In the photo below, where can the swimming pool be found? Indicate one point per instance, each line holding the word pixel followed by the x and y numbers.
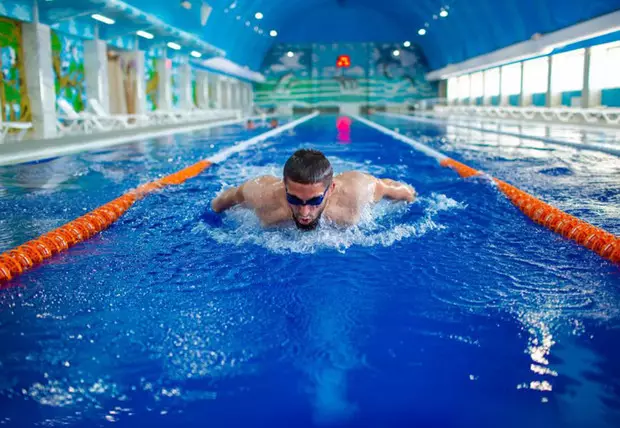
pixel 454 311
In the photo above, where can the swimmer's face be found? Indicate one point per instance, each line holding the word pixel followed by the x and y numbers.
pixel 307 216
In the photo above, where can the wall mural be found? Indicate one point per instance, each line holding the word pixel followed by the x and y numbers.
pixel 68 65
pixel 331 74
pixel 176 87
pixel 152 80
pixel 13 92
pixel 194 87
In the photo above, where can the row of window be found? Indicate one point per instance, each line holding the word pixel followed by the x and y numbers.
pixel 566 74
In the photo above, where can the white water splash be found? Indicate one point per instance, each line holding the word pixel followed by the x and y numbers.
pixel 380 226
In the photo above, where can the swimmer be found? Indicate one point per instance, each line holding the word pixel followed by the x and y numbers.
pixel 274 123
pixel 308 190
pixel 250 124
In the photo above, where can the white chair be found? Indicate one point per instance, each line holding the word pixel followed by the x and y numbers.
pixel 7 127
pixel 71 121
pixel 117 120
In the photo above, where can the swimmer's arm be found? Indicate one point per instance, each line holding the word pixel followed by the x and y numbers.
pixel 228 199
pixel 391 189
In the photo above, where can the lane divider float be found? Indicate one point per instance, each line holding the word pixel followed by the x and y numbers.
pixel 604 243
pixel 18 260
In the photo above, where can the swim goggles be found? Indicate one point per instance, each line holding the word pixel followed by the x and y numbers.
pixel 316 201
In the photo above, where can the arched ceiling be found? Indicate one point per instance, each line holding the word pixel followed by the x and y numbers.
pixel 471 28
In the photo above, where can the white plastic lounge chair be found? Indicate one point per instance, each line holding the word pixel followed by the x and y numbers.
pixel 71 121
pixel 7 127
pixel 117 120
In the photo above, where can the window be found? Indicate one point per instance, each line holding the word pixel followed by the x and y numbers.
pixel 477 85
pixel 464 86
pixel 453 88
pixel 491 82
pixel 536 75
pixel 567 71
pixel 511 79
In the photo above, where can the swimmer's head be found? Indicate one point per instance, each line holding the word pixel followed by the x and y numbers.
pixel 308 179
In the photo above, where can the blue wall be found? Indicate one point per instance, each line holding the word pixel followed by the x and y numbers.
pixel 513 100
pixel 611 97
pixel 566 97
pixel 539 100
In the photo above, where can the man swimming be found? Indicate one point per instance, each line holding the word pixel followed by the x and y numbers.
pixel 309 190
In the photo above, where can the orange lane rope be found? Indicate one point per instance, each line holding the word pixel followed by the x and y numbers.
pixel 18 260
pixel 603 243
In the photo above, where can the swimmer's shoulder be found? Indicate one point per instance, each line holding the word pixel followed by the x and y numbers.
pixel 262 190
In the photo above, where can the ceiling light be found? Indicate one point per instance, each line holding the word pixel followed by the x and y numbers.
pixel 102 18
pixel 195 54
pixel 422 31
pixel 186 5
pixel 407 44
pixel 144 34
pixel 396 52
pixel 247 23
pixel 174 46
pixel 273 33
pixel 443 13
pixel 290 54
pixel 258 15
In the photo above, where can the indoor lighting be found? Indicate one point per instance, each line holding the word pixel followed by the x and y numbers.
pixel 422 31
pixel 186 5
pixel 258 15
pixel 443 13
pixel 396 52
pixel 102 18
pixel 290 54
pixel 273 33
pixel 195 54
pixel 174 46
pixel 144 34
pixel 407 44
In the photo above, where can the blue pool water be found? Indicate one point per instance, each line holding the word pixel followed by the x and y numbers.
pixel 455 311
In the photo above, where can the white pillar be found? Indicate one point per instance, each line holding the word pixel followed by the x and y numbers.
pixel 524 99
pixel 164 84
pixel 201 81
pixel 472 101
pixel 590 97
pixel 217 92
pixel 185 87
pixel 222 99
pixel 503 100
pixel 554 98
pixel 141 104
pixel 96 72
pixel 231 95
pixel 37 45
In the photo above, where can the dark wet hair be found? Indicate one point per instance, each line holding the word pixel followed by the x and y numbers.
pixel 308 167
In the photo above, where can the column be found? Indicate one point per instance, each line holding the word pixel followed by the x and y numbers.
pixel 229 95
pixel 201 81
pixel 590 96
pixel 250 98
pixel 239 95
pixel 218 96
pixel 138 58
pixel 503 100
pixel 37 45
pixel 553 98
pixel 96 72
pixel 525 100
pixel 186 101
pixel 164 84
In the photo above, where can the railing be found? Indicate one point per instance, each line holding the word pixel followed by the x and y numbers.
pixel 599 115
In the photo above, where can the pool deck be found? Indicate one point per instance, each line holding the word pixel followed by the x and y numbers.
pixel 14 152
